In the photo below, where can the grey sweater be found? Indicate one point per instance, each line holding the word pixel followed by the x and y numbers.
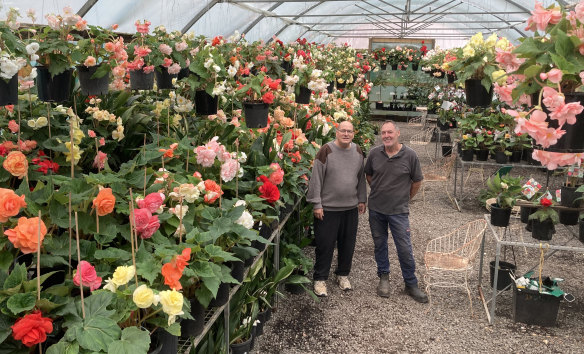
pixel 338 181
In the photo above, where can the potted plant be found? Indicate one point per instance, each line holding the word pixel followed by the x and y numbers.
pixel 506 190
pixel 169 55
pixel 13 57
pixel 257 94
pixel 543 220
pixel 381 57
pixel 570 197
pixel 468 146
pixel 95 57
pixel 209 81
pixel 474 66
pixel 54 54
pixel 138 63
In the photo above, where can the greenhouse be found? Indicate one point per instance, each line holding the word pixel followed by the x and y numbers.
pixel 336 176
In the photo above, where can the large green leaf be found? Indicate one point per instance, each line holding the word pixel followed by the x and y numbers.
pixel 96 333
pixel 96 304
pixel 112 254
pixel 6 259
pixel 63 348
pixel 16 277
pixel 21 302
pixel 133 341
pixel 5 329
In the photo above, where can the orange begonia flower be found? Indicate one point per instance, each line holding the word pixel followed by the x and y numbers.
pixel 25 235
pixel 16 163
pixel 105 202
pixel 172 271
pixel 10 204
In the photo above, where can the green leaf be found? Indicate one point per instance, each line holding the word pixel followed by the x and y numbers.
pixel 6 259
pixel 16 277
pixel 21 302
pixel 96 333
pixel 96 304
pixel 133 341
pixel 217 253
pixel 112 254
pixel 202 269
pixel 47 306
pixel 103 178
pixel 149 270
pixel 63 348
pixel 5 329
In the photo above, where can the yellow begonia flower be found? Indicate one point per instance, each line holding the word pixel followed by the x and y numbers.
pixel 468 51
pixel 502 43
pixel 491 41
pixel 76 152
pixel 499 76
pixel 118 134
pixel 144 297
pixel 464 137
pixel 477 40
pixel 77 135
pixel 172 304
pixel 123 274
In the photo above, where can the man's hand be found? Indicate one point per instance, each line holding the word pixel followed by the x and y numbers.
pixel 318 213
pixel 362 207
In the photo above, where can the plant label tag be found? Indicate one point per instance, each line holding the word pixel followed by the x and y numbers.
pixel 530 188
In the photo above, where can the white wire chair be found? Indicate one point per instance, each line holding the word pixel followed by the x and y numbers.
pixel 438 172
pixel 449 260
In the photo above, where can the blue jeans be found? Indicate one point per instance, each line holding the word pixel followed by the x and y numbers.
pixel 399 225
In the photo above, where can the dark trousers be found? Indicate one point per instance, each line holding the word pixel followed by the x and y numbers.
pixel 338 227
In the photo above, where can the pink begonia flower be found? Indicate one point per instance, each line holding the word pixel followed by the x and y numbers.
pixel 118 85
pixel 229 170
pixel 148 69
pixel 197 174
pixel 567 113
pixel 88 276
pixel 553 160
pixel 541 17
pixel 180 46
pixel 552 99
pixel 100 160
pixel 13 126
pixel 102 141
pixel 91 133
pixel 153 202
pixel 224 156
pixel 543 76
pixel 547 137
pixel 555 76
pixel 235 121
pixel 146 224
pixel 277 176
pixel 119 71
pixel 508 60
pixel 25 85
pixel 142 28
pixel 165 49
pixel 167 62
pixel 174 69
pixel 579 12
pixel 504 93
pixel 205 156
pixel 581 77
pixel 90 61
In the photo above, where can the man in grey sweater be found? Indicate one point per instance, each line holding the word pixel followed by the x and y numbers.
pixel 338 192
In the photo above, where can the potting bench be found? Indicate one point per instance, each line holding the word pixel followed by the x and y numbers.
pixel 565 239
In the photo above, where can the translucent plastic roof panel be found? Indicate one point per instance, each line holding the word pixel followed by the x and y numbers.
pixel 450 22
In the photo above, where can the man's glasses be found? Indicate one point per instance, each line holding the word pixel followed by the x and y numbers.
pixel 345 131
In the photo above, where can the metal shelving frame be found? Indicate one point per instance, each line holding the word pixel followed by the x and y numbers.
pixel 504 237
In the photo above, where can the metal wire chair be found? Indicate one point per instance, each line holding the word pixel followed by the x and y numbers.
pixel 449 260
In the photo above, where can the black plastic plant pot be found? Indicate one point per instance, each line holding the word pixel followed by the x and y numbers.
pixel 500 216
pixel 571 141
pixel 515 156
pixel 241 348
pixel 524 213
pixel 570 196
pixel 504 274
pixel 303 96
pixel 568 217
pixel 9 91
pixel 89 86
pixel 331 87
pixel 467 155
pixel 163 78
pixel 482 155
pixel 192 328
pixel 222 296
pixel 205 104
pixel 237 270
pixel 256 114
pixel 140 80
pixel 163 342
pixel 476 94
pixel 535 308
pixel 542 230
pixel 581 233
pixel 53 88
pixel 341 86
pixel 501 157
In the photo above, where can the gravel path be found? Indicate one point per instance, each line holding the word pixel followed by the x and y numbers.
pixel 359 321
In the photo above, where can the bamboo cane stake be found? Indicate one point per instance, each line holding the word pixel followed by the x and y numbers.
pixel 180 221
pixel 39 258
pixel 71 193
pixel 188 156
pixel 79 265
pixel 133 236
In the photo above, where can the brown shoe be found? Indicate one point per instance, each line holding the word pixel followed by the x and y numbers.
pixel 383 287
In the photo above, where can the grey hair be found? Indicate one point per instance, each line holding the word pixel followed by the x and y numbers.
pixel 392 122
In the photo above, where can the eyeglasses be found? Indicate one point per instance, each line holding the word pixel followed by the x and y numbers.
pixel 345 131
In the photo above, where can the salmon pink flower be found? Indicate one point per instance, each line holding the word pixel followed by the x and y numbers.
pixel 88 276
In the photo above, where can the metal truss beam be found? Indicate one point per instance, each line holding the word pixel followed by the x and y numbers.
pixel 86 7
pixel 260 17
pixel 402 13
pixel 199 15
pixel 295 18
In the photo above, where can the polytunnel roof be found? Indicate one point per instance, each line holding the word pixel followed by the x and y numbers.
pixel 449 22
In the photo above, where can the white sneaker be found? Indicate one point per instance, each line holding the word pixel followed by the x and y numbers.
pixel 343 282
pixel 320 288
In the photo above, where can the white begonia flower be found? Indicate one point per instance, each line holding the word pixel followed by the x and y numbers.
pixel 216 68
pixel 242 158
pixel 246 220
pixel 240 203
pixel 208 63
pixel 32 48
pixel 231 71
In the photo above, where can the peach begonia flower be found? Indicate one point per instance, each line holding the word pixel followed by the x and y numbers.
pixel 100 160
pixel 553 160
pixel 10 204
pixel 90 61
pixel 13 126
pixel 24 235
pixel 105 202
pixel 212 191
pixel 229 169
pixel 555 76
pixel 16 164
pixel 172 271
